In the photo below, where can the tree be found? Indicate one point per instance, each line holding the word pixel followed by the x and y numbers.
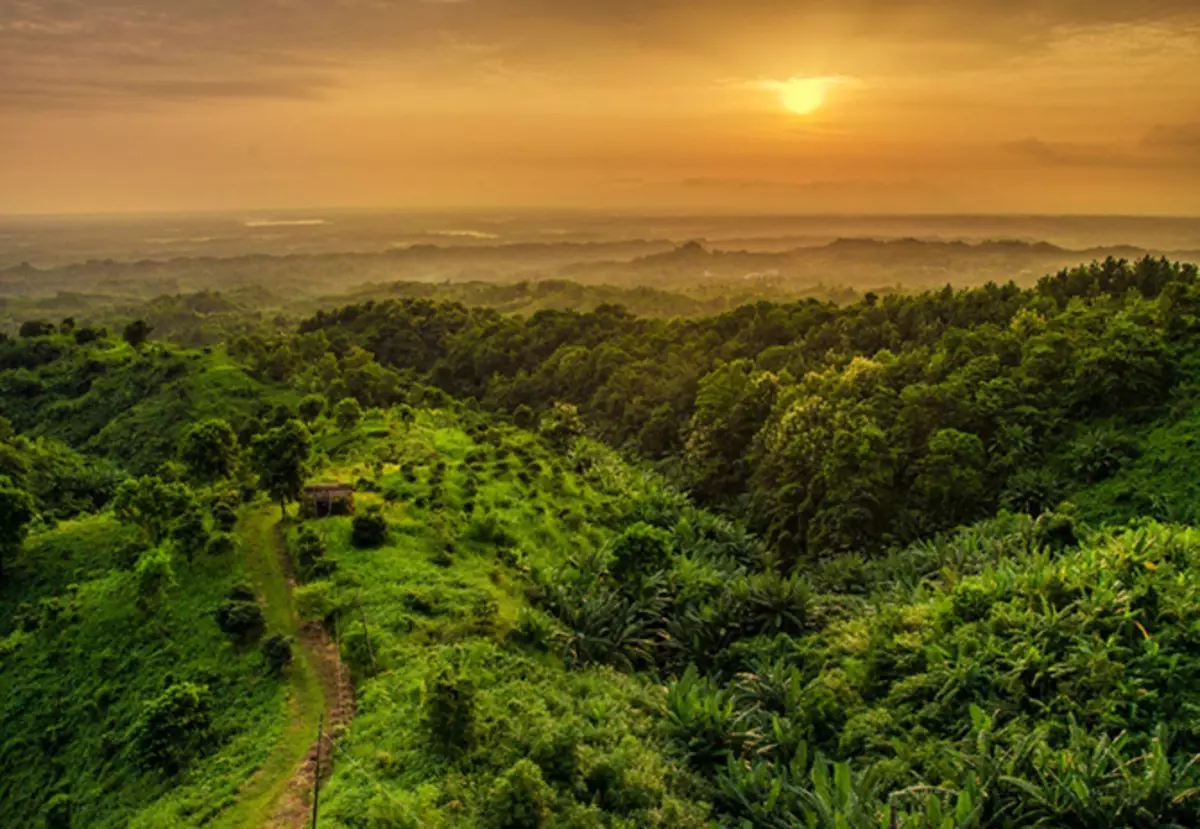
pixel 137 332
pixel 154 576
pixel 67 326
pixel 561 424
pixel 281 460
pixel 173 727
pixel 347 413
pixel 210 449
pixel 311 407
pixel 36 328
pixel 83 336
pixel 16 511
pixel 151 504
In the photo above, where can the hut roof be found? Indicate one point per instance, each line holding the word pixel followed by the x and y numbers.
pixel 334 489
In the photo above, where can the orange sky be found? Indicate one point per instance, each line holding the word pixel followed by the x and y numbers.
pixel 1045 106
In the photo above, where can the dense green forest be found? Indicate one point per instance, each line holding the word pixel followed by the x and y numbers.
pixel 919 560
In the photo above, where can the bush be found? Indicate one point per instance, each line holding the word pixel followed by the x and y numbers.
pixel 277 651
pixel 310 407
pixel 239 618
pixel 639 551
pixel 36 328
pixel 219 544
pixel 520 799
pixel 154 576
pixel 370 529
pixel 489 528
pixel 450 711
pixel 534 628
pixel 224 516
pixel 174 727
pixel 1101 453
pixel 315 602
pixel 310 554
pixel 347 413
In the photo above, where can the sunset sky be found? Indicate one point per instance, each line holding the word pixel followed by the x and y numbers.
pixel 881 106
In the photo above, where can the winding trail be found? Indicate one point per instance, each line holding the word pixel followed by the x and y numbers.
pixel 279 793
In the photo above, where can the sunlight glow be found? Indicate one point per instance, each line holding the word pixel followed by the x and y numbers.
pixel 804 96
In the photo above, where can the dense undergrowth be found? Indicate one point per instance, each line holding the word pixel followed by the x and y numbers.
pixel 975 602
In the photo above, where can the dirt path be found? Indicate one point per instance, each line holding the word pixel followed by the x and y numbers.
pixel 279 794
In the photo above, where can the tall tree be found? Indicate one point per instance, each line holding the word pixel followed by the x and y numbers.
pixel 210 449
pixel 281 460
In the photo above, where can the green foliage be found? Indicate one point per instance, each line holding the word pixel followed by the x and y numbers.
pixel 154 575
pixel 347 413
pixel 210 450
pixel 16 512
pixel 544 635
pixel 311 407
pixel 450 711
pixel 281 458
pixel 640 551
pixel 370 528
pixel 173 727
pixel 153 505
pixel 240 618
pixel 520 799
pixel 137 332
pixel 36 328
pixel 277 652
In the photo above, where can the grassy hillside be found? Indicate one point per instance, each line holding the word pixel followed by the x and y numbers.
pixel 462 679
pixel 543 635
pixel 81 656
pixel 127 405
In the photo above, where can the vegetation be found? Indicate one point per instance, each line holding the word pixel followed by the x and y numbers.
pixel 919 561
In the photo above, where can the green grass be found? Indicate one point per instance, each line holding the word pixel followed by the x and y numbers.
pixel 76 671
pixel 256 802
pixel 448 590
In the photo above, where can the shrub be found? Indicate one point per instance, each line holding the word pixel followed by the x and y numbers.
pixel 489 528
pixel 310 407
pixel 224 516
pixel 347 413
pixel 639 551
pixel 277 651
pixel 36 328
pixel 242 593
pixel 315 601
pixel 519 799
pixel 1101 453
pixel 310 554
pixel 174 727
pixel 190 531
pixel 239 618
pixel 450 711
pixel 534 628
pixel 219 544
pixel 370 528
pixel 154 576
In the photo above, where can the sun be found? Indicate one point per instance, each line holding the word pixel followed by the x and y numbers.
pixel 804 96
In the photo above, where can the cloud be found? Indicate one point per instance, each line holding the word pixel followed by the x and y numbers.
pixel 76 51
pixel 1174 137
pixel 1072 155
pixel 1161 147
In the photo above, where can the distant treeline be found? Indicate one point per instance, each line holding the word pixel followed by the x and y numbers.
pixel 832 428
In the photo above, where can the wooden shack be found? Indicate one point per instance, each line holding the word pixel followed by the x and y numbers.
pixel 324 500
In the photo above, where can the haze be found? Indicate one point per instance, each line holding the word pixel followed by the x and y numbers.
pixel 1029 106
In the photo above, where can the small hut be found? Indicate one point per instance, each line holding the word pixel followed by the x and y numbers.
pixel 324 500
